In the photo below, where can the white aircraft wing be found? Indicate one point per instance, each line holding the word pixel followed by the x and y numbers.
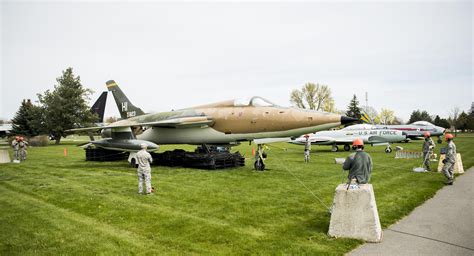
pixel 322 140
pixel 271 140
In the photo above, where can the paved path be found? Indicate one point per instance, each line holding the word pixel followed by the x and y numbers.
pixel 443 225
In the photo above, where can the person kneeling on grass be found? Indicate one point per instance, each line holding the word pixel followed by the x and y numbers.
pixel 144 160
pixel 359 165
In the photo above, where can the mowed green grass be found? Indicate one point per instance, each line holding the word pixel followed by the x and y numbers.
pixel 55 204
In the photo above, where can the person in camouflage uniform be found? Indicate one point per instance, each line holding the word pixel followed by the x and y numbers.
pixel 23 145
pixel 428 147
pixel 144 160
pixel 307 149
pixel 449 160
pixel 16 148
pixel 359 165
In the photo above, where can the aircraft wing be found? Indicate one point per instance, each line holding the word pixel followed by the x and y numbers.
pixel 344 140
pixel 179 122
pixel 271 140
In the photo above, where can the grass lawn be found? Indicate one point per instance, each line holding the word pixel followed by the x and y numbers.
pixel 55 204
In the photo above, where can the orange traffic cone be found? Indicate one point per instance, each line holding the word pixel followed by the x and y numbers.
pixel 253 151
pixel 65 152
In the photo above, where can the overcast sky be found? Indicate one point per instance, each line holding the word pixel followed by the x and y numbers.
pixel 173 55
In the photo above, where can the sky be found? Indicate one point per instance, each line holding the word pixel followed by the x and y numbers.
pixel 164 55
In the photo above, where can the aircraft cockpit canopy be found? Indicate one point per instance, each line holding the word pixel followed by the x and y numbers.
pixel 255 101
pixel 422 123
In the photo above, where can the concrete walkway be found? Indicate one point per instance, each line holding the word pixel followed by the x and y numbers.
pixel 443 225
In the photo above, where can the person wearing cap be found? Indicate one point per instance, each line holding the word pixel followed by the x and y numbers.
pixel 23 145
pixel 449 160
pixel 144 160
pixel 428 147
pixel 307 149
pixel 16 148
pixel 359 165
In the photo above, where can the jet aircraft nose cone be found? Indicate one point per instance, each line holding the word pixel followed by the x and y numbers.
pixel 348 120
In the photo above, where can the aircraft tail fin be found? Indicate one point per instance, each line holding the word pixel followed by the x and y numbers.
pixel 366 118
pixel 99 106
pixel 125 107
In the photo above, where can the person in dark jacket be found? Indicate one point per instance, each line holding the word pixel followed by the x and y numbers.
pixel 359 165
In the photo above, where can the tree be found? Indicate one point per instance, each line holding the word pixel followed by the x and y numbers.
pixel 28 120
pixel 313 96
pixel 453 117
pixel 65 107
pixel 463 121
pixel 111 119
pixel 386 116
pixel 397 120
pixel 437 121
pixel 353 109
pixel 418 115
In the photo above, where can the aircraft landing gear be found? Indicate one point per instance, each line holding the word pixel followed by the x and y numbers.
pixel 260 157
pixel 440 140
pixel 334 148
pixel 388 149
pixel 347 147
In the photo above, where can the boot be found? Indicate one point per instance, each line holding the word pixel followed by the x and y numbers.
pixel 449 182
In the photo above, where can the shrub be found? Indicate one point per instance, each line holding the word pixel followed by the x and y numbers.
pixel 39 141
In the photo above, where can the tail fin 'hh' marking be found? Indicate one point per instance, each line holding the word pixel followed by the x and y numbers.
pixel 125 107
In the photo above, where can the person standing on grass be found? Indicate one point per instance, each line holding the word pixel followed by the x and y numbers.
pixel 23 145
pixel 359 165
pixel 428 147
pixel 449 160
pixel 16 148
pixel 144 160
pixel 307 149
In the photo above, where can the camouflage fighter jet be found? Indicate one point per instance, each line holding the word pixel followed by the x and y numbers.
pixel 224 123
pixel 368 133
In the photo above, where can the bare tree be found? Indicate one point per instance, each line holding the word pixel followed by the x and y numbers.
pixel 111 119
pixel 453 118
pixel 313 96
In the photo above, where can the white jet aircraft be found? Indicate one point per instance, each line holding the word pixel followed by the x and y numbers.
pixel 368 133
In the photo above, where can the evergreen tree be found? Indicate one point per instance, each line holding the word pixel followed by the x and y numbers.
pixel 426 117
pixel 353 109
pixel 418 115
pixel 28 120
pixel 415 116
pixel 66 106
pixel 444 123
pixel 437 121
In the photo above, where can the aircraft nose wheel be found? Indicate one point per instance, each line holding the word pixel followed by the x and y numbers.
pixel 335 148
pixel 440 141
pixel 347 147
pixel 259 166
pixel 388 150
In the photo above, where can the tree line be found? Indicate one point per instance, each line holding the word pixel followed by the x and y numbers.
pixel 318 97
pixel 65 107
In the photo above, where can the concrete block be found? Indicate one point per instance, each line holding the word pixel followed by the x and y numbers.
pixel 458 168
pixel 4 156
pixel 339 160
pixel 355 215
